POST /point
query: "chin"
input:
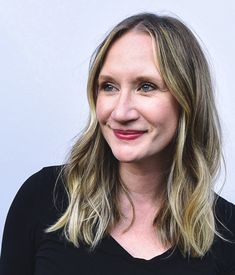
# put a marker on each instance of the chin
(125, 157)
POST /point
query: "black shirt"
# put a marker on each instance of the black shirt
(27, 250)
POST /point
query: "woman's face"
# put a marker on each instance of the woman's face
(138, 116)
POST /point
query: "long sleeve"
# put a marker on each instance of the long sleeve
(18, 244)
(223, 251)
(28, 250)
(31, 212)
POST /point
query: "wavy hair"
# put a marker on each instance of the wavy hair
(186, 219)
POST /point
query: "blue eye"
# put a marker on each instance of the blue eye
(147, 87)
(107, 87)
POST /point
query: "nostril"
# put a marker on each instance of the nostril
(124, 115)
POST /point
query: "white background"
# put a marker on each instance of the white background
(45, 47)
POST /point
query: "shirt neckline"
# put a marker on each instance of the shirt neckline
(111, 246)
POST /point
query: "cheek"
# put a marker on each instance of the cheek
(172, 118)
(98, 110)
(102, 110)
(167, 115)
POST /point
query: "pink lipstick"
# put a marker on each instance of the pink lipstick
(128, 134)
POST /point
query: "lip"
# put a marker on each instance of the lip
(128, 134)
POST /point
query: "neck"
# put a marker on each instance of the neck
(145, 183)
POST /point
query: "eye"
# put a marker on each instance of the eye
(107, 87)
(147, 87)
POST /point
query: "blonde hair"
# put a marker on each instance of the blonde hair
(186, 218)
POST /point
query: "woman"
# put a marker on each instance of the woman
(136, 195)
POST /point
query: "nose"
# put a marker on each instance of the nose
(125, 109)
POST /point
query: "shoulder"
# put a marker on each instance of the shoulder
(42, 180)
(225, 216)
(31, 212)
(36, 197)
(223, 249)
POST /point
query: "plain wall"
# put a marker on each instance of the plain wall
(45, 47)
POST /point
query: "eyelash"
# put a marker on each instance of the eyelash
(104, 86)
(150, 85)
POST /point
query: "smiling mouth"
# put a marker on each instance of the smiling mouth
(128, 134)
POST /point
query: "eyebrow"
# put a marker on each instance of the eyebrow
(105, 77)
(142, 78)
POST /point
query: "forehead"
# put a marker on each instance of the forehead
(131, 43)
(133, 49)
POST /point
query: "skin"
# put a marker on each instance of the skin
(133, 97)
